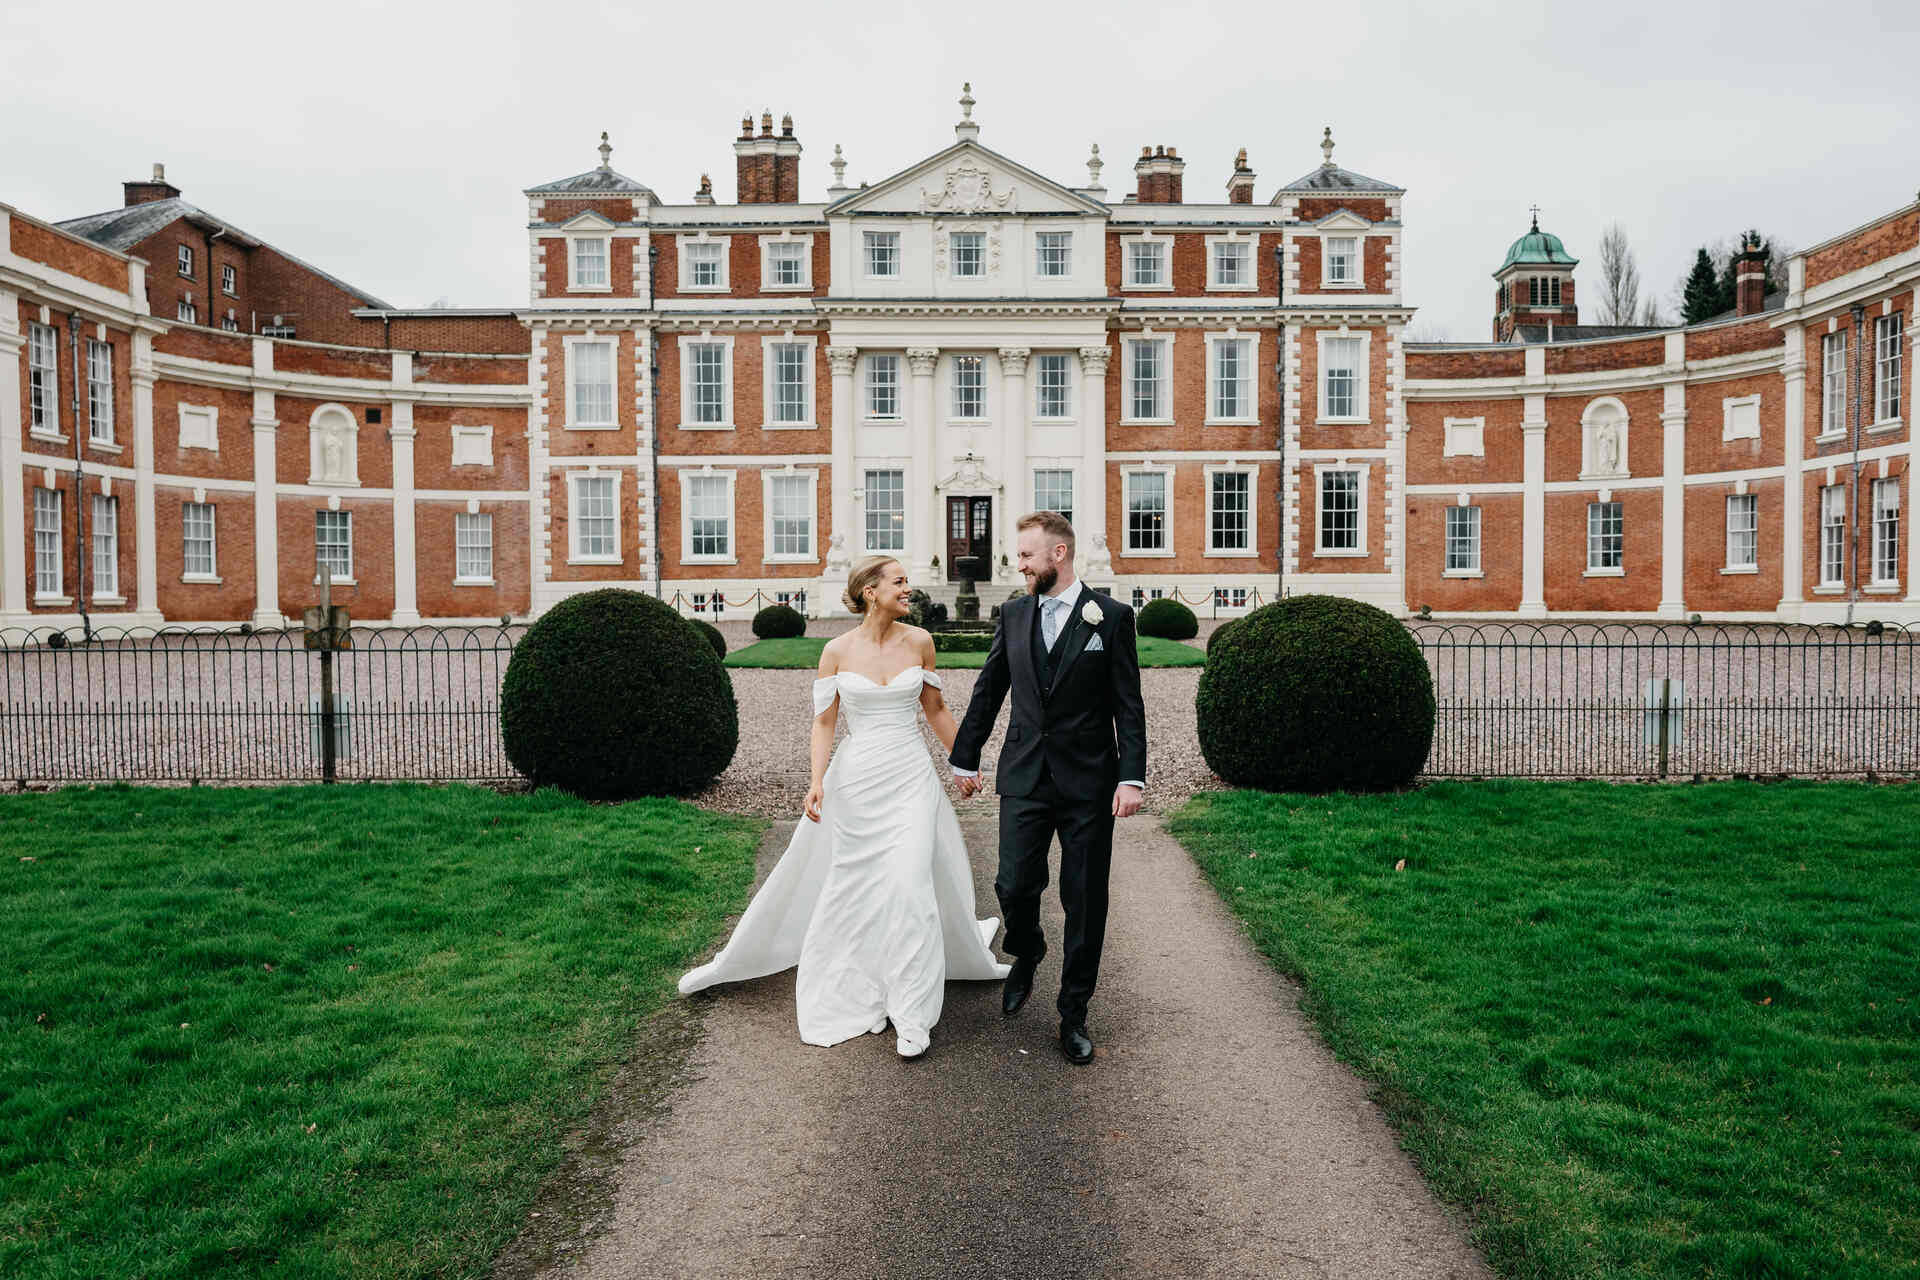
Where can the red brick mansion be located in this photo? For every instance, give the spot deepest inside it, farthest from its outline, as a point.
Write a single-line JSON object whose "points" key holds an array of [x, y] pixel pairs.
{"points": [[709, 401]]}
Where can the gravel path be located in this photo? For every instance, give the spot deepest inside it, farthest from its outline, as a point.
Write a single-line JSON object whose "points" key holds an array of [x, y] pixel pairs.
{"points": [[1213, 1136]]}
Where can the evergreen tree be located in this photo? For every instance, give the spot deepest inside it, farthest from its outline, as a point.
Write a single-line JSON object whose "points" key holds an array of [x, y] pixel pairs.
{"points": [[1701, 296]]}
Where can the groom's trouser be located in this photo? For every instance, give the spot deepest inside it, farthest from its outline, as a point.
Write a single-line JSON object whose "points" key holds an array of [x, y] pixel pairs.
{"points": [[1027, 827]]}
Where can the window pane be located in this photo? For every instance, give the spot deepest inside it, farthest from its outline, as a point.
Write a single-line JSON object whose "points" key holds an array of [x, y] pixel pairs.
{"points": [[1146, 511], [792, 518], [1463, 539], [593, 516], [1230, 259], [1743, 524], [43, 378], [789, 382], [591, 364], [789, 262], [883, 386], [1833, 383], [1053, 491], [709, 381], [1146, 259], [1886, 530], [1833, 534], [1146, 378], [1340, 510], [1886, 368], [709, 516], [472, 545], [1605, 540], [1055, 253], [46, 542], [883, 252], [969, 387], [333, 542], [967, 253], [590, 261], [196, 523], [703, 261], [886, 511], [1340, 254], [1232, 370], [1341, 379], [100, 390], [1228, 525]]}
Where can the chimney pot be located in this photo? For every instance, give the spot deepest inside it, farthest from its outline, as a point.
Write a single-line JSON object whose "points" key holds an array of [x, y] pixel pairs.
{"points": [[786, 125], [766, 124], [159, 172], [746, 125]]}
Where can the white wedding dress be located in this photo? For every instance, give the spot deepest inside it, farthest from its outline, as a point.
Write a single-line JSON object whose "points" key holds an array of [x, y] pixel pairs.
{"points": [[874, 902]]}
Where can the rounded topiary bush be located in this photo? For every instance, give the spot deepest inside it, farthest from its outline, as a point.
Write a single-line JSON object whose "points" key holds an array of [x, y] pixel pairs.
{"points": [[612, 695], [1168, 619], [1315, 693], [779, 622], [1219, 631], [711, 634]]}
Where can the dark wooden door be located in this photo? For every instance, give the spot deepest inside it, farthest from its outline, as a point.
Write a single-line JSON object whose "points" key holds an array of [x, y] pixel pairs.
{"points": [[969, 533]]}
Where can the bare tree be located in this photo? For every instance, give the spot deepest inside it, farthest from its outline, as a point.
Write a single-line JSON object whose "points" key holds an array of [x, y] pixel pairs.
{"points": [[1619, 278], [1650, 314]]}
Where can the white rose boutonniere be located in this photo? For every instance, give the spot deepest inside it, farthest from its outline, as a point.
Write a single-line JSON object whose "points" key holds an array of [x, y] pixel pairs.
{"points": [[1090, 613]]}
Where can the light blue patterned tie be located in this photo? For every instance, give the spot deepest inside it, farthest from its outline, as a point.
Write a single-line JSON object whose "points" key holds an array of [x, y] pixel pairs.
{"points": [[1050, 620]]}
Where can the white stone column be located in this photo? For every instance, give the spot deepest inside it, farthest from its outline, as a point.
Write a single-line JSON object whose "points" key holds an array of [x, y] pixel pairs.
{"points": [[1090, 494], [1910, 500], [146, 540], [1533, 508], [840, 544], [1016, 410], [1673, 502], [406, 594], [1793, 371], [13, 483], [266, 515], [923, 507]]}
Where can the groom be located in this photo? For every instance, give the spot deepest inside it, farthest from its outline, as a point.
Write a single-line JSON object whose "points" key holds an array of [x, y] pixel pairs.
{"points": [[1075, 759]]}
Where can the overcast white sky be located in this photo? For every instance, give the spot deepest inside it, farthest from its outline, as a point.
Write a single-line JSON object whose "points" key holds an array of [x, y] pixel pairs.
{"points": [[387, 143]]}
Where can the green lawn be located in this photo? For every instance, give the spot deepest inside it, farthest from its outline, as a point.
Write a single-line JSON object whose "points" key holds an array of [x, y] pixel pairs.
{"points": [[804, 651], [1634, 1030], [320, 1032]]}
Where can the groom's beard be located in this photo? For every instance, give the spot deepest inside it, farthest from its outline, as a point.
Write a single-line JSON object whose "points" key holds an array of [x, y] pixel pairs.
{"points": [[1043, 580]]}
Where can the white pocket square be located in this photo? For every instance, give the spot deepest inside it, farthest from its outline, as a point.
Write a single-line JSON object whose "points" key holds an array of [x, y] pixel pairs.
{"points": [[1094, 644]]}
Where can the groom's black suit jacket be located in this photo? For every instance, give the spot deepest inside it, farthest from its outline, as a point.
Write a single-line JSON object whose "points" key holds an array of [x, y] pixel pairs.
{"points": [[1087, 724]]}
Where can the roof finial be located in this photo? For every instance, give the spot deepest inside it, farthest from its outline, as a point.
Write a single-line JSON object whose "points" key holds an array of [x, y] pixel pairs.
{"points": [[1535, 210], [606, 151], [966, 100], [839, 163], [1094, 165], [966, 130], [1326, 148]]}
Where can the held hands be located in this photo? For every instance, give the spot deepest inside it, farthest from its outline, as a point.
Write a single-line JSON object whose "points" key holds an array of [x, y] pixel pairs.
{"points": [[816, 795], [968, 786], [1126, 801]]}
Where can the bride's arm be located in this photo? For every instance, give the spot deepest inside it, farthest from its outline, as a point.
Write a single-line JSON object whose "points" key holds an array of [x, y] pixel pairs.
{"points": [[820, 749], [938, 717]]}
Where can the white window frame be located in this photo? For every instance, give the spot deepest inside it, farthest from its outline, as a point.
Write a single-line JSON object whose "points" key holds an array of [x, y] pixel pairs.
{"points": [[1249, 380], [685, 245], [978, 256], [954, 365], [1889, 333], [1046, 359], [768, 478], [464, 436], [1041, 245], [1833, 535], [1742, 522], [1471, 539], [186, 312], [1039, 505], [809, 413], [1833, 384], [229, 280], [99, 392], [874, 239], [574, 282], [1163, 245], [569, 345], [1251, 245], [1362, 383], [347, 578], [1740, 418], [1163, 398], [184, 261], [1252, 472], [686, 342], [49, 546], [730, 479], [867, 512], [199, 426], [229, 323], [1165, 551], [1463, 438], [103, 544], [211, 574], [1886, 531], [1355, 278], [43, 382], [786, 240], [1603, 569], [893, 360], [472, 579], [574, 480], [1361, 514]]}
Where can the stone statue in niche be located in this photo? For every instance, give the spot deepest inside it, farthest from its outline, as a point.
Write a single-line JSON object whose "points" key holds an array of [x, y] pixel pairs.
{"points": [[1606, 442], [334, 452]]}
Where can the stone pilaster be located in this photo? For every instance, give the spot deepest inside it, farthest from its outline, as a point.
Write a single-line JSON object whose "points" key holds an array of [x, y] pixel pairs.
{"points": [[1096, 563]]}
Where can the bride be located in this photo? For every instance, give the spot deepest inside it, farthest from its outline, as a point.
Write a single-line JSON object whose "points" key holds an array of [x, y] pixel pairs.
{"points": [[873, 899]]}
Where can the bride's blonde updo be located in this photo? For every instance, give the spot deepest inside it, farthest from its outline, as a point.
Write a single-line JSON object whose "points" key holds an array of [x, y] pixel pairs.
{"points": [[866, 572]]}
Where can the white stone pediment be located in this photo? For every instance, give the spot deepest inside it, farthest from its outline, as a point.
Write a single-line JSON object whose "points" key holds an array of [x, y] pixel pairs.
{"points": [[1342, 220], [587, 221], [966, 180]]}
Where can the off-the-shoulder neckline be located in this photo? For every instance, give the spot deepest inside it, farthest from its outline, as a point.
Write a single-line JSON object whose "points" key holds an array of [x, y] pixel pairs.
{"points": [[878, 684]]}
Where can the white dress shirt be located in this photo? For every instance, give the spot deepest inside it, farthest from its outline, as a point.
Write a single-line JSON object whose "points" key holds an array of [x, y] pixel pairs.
{"points": [[1070, 594]]}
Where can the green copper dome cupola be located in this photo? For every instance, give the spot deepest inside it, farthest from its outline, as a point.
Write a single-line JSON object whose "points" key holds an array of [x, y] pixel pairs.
{"points": [[1535, 285], [1538, 248]]}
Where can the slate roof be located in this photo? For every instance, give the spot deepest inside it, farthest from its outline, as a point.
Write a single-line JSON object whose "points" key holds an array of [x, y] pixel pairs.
{"points": [[600, 181], [1578, 332], [1331, 177], [121, 229]]}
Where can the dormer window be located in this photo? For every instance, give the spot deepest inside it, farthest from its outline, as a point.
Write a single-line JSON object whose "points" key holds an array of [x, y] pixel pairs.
{"points": [[1342, 259], [186, 261], [589, 262]]}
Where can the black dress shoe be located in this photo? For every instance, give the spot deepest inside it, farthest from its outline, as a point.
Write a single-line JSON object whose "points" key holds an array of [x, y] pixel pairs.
{"points": [[1019, 985], [1075, 1043]]}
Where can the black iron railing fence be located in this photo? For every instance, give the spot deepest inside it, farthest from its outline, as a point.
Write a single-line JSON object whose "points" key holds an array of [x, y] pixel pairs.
{"points": [[1514, 699]]}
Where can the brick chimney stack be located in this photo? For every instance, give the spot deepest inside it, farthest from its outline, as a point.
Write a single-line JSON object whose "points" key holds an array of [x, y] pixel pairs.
{"points": [[158, 188], [1157, 175], [1750, 279], [767, 165], [1240, 185]]}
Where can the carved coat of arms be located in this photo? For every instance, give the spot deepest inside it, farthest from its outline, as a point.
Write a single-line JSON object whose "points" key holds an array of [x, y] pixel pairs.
{"points": [[968, 189]]}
